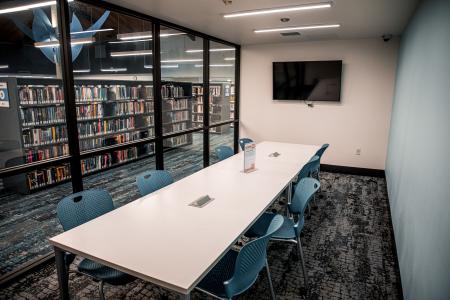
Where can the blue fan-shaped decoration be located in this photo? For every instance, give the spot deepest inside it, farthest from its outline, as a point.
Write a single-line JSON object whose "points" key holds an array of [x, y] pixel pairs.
{"points": [[43, 31]]}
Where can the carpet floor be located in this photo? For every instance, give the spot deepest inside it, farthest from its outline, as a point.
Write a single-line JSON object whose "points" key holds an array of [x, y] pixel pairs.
{"points": [[347, 242]]}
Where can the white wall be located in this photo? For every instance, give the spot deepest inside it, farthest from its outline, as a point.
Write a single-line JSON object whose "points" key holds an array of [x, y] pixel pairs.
{"points": [[360, 120]]}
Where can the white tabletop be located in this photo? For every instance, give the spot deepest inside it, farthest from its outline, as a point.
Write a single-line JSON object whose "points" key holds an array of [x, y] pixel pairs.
{"points": [[159, 238]]}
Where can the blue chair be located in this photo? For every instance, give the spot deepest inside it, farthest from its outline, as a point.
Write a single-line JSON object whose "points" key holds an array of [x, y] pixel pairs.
{"points": [[244, 141], [153, 180], [319, 153], [309, 168], [237, 271], [290, 231], [223, 152], [80, 208], [322, 149]]}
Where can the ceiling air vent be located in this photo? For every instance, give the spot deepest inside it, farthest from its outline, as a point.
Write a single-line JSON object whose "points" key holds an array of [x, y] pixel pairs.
{"points": [[290, 34]]}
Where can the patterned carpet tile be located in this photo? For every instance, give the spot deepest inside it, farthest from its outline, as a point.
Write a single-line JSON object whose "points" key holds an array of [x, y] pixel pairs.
{"points": [[347, 243]]}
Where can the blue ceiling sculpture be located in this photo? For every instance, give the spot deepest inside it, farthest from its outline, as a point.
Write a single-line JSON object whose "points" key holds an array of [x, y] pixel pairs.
{"points": [[43, 31]]}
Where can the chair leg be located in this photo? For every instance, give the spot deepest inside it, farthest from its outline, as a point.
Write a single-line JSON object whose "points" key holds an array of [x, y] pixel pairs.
{"points": [[100, 290], [270, 281], [300, 250]]}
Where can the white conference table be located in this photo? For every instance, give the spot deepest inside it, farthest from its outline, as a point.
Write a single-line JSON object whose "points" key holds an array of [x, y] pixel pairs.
{"points": [[161, 239]]}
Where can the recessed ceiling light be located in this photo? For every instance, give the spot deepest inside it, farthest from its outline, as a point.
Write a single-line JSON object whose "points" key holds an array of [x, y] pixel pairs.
{"points": [[216, 65], [144, 35], [255, 12], [91, 31], [307, 27], [81, 41], [162, 66], [82, 71], [29, 6], [130, 41], [181, 60], [210, 50], [114, 70], [131, 53]]}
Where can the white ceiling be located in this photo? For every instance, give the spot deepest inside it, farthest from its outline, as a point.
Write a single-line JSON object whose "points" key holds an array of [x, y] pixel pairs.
{"points": [[358, 18]]}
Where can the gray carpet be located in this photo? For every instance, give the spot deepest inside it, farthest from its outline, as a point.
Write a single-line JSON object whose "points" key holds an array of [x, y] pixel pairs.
{"points": [[348, 248]]}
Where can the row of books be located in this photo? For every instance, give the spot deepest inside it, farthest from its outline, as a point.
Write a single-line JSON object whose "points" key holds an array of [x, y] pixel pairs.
{"points": [[40, 94], [86, 93], [129, 108], [174, 127], [89, 129], [42, 115], [33, 155], [177, 140], [43, 177], [171, 104], [197, 108], [197, 118], [215, 90], [175, 116], [171, 91], [95, 163], [43, 136]]}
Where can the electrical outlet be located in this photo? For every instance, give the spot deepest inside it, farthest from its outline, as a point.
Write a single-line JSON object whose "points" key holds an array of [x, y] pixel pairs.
{"points": [[358, 151]]}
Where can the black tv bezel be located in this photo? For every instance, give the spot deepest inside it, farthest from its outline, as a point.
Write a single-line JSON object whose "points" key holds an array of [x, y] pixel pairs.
{"points": [[303, 61]]}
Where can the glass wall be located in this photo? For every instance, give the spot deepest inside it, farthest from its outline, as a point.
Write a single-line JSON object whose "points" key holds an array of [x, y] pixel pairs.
{"points": [[221, 82], [113, 109], [33, 130]]}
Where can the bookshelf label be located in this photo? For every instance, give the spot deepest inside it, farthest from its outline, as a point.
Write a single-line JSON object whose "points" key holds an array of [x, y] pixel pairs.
{"points": [[4, 96]]}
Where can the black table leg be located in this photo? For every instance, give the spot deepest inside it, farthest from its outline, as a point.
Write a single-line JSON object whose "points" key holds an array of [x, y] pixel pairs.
{"points": [[63, 274]]}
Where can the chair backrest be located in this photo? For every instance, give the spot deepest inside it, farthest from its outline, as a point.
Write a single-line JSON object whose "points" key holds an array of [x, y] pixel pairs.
{"points": [[153, 180], [223, 152], [244, 141], [322, 149], [82, 207], [310, 167], [251, 259], [303, 192]]}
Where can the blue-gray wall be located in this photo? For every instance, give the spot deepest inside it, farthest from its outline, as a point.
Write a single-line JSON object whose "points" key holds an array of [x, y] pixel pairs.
{"points": [[418, 163]]}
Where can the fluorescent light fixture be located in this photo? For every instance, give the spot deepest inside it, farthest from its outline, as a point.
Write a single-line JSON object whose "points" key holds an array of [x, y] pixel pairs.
{"points": [[307, 27], [53, 44], [130, 41], [114, 70], [91, 31], [29, 6], [210, 50], [181, 60], [143, 35], [162, 66], [4, 66], [276, 10], [82, 71], [216, 65], [131, 53], [229, 58]]}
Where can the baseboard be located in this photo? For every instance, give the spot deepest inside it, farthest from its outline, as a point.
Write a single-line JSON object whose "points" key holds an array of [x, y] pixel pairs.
{"points": [[353, 170]]}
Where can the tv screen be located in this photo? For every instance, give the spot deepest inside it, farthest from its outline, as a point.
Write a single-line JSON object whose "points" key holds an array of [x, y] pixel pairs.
{"points": [[307, 80]]}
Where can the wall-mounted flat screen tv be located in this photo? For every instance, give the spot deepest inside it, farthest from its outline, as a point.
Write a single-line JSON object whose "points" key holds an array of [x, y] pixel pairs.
{"points": [[307, 80]]}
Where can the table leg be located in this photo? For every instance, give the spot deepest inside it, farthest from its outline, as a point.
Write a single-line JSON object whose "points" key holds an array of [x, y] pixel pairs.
{"points": [[185, 296], [289, 198], [63, 274]]}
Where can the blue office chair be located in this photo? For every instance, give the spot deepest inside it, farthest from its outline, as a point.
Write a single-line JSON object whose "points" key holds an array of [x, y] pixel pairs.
{"points": [[290, 231], [236, 272], [244, 141], [223, 152], [153, 180], [319, 153], [80, 208]]}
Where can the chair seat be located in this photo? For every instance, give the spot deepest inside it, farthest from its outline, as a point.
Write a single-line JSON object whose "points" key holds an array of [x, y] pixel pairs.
{"points": [[104, 273], [286, 232], [222, 271]]}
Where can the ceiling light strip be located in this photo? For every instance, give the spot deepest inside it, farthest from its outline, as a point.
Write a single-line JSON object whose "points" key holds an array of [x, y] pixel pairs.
{"points": [[114, 70], [210, 50], [255, 12], [181, 60], [130, 41], [144, 35], [91, 31], [131, 53], [29, 6], [4, 66], [216, 65], [52, 44], [162, 66], [82, 71], [307, 27]]}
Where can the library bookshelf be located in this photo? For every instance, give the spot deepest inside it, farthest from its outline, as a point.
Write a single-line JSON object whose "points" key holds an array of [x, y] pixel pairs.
{"points": [[109, 112]]}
